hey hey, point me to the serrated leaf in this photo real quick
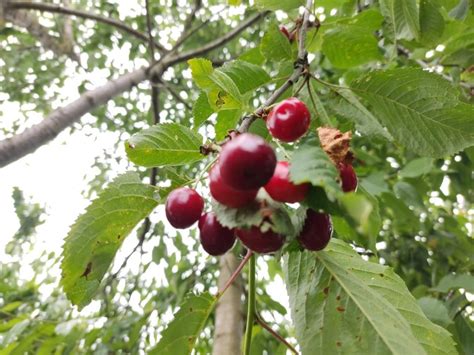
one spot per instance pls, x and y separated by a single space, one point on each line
343 304
243 217
435 310
275 46
284 5
431 122
402 18
164 145
95 237
315 105
246 76
449 282
416 167
181 333
348 46
226 121
351 108
431 22
201 109
311 164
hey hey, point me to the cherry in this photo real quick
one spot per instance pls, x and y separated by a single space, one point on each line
215 238
258 241
227 195
281 189
348 177
317 230
289 120
183 207
247 162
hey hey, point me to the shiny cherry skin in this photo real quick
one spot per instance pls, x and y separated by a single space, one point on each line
317 231
183 207
348 177
258 241
227 195
215 238
281 189
247 162
289 120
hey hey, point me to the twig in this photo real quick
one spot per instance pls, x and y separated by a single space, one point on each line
235 273
300 67
174 94
274 333
79 13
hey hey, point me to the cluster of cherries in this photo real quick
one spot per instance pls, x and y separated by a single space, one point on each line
246 164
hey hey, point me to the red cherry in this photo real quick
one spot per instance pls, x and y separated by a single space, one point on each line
281 189
317 231
183 207
247 162
258 241
348 177
227 195
215 238
289 120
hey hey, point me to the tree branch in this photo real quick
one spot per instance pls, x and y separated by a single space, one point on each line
16 147
79 13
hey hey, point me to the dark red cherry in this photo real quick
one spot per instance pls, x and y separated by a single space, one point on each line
258 241
227 195
281 189
247 162
183 207
289 120
215 238
348 177
317 231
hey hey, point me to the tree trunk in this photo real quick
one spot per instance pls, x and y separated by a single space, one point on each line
229 313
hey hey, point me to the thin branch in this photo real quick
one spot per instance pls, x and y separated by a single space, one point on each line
235 274
300 68
82 14
175 94
274 333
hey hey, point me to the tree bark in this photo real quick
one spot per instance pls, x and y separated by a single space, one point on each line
229 313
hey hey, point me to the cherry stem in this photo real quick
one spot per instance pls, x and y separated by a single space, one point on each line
235 273
277 336
250 306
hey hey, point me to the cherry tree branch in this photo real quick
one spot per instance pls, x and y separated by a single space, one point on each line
55 8
277 336
16 147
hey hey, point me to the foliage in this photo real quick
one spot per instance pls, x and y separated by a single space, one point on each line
397 277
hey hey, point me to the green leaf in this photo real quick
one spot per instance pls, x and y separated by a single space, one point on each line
435 310
460 49
402 18
311 164
464 334
226 121
431 22
343 304
244 217
416 167
448 282
431 122
350 45
285 5
461 10
201 109
408 193
95 237
351 108
275 46
253 56
181 333
164 144
246 76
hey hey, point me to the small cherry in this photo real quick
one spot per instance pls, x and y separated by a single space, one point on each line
215 238
317 231
227 195
183 207
258 241
247 162
289 120
281 189
348 177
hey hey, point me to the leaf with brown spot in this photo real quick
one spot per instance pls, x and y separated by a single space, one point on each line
336 144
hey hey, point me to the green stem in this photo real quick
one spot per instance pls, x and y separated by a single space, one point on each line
251 306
